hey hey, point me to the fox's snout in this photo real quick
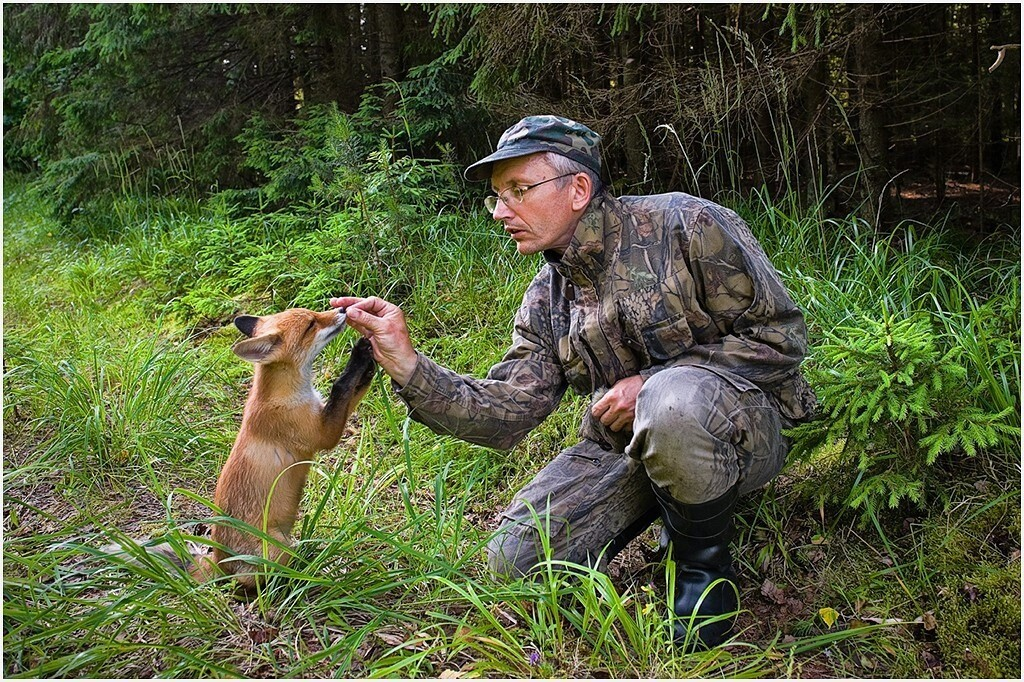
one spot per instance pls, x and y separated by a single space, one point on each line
296 335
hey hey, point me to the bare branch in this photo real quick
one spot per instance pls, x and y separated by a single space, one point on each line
1002 53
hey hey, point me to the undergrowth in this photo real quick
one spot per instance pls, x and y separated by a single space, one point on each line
890 542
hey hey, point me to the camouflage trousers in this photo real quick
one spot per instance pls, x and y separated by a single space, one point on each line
698 431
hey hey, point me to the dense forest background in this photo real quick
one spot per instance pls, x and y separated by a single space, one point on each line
889 109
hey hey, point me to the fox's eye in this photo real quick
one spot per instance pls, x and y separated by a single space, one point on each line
312 323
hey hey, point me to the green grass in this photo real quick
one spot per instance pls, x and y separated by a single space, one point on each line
121 400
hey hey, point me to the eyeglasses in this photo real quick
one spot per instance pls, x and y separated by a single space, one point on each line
514 195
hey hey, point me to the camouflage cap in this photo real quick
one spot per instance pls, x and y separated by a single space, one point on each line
543 134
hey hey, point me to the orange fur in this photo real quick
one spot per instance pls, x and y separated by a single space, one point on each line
284 424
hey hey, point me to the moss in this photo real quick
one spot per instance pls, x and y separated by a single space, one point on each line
979 627
978 599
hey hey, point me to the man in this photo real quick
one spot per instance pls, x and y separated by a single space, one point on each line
667 312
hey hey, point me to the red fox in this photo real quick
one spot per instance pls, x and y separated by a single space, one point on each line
284 424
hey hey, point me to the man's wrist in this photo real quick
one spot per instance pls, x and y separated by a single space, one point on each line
403 373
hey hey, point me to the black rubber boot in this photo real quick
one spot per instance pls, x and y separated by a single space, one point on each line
700 535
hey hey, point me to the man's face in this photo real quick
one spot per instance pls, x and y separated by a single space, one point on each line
547 216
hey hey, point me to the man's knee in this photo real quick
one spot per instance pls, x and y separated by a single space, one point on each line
681 401
691 431
514 549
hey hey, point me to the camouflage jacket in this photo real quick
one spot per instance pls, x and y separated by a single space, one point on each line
646 283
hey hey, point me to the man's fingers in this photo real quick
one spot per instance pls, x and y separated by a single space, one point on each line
344 301
620 421
363 321
374 306
613 412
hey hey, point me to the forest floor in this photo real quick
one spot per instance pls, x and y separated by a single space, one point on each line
976 207
780 599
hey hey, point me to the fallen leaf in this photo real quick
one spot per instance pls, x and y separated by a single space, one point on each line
451 674
773 592
365 649
928 620
505 614
829 615
971 591
262 635
931 661
390 638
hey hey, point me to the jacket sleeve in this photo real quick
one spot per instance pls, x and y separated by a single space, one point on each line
517 394
761 336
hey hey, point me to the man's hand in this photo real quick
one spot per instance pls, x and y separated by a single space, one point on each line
617 408
384 325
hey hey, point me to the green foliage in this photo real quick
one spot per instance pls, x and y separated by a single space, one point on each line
71 182
424 113
952 307
355 222
327 160
72 71
141 84
116 411
978 620
794 16
894 403
293 163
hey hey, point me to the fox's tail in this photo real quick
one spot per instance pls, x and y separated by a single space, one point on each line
198 563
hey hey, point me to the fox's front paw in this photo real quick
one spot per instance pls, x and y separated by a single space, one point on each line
361 363
362 348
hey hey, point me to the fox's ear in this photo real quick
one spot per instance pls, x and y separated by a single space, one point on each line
246 324
257 349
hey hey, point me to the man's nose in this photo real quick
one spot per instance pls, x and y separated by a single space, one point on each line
502 211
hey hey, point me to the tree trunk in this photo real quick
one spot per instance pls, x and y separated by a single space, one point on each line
370 48
940 146
338 28
629 60
389 22
814 166
873 142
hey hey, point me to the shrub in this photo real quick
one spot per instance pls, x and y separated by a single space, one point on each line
893 402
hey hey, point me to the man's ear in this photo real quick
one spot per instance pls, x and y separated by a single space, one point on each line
246 324
582 191
257 349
